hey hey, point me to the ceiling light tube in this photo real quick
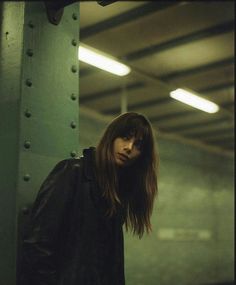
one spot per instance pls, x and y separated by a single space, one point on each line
193 100
96 58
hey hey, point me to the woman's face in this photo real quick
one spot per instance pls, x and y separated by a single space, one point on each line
126 150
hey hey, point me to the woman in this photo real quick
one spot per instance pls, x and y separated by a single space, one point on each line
75 235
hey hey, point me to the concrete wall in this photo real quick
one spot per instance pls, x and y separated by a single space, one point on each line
193 219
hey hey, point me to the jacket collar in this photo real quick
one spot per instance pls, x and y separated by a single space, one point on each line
89 162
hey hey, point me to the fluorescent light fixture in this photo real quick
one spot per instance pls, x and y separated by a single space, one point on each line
102 61
193 100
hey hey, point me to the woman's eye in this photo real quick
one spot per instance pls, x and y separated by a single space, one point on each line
138 144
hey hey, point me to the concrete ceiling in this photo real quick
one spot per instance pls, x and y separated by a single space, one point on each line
167 44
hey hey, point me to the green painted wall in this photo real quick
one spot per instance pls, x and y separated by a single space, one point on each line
193 219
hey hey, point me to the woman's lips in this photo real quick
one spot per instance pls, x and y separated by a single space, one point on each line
123 157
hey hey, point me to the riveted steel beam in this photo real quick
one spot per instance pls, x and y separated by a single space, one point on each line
38 112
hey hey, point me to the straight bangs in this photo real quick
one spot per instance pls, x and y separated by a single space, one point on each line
135 126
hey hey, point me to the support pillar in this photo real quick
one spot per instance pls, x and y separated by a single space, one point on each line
39 92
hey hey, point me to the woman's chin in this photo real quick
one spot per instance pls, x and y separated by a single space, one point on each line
120 162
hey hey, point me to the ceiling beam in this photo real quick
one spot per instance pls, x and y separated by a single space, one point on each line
198 137
228 137
192 126
209 133
196 36
219 87
227 104
146 104
173 115
126 17
224 143
196 70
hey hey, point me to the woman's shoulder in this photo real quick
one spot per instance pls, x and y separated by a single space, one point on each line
68 165
70 162
83 164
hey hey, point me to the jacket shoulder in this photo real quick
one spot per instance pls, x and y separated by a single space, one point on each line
68 164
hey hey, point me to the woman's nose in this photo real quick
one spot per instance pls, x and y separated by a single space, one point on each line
128 146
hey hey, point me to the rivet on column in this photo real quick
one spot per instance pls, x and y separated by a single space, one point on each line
27 144
31 24
29 52
73 153
28 82
27 113
73 125
26 177
74 42
74 16
25 211
74 68
73 96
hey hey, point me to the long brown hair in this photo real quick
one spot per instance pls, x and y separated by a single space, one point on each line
137 185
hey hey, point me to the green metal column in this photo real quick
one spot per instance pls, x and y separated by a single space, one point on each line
39 92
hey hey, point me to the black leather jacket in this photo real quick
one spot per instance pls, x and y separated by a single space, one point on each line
70 241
